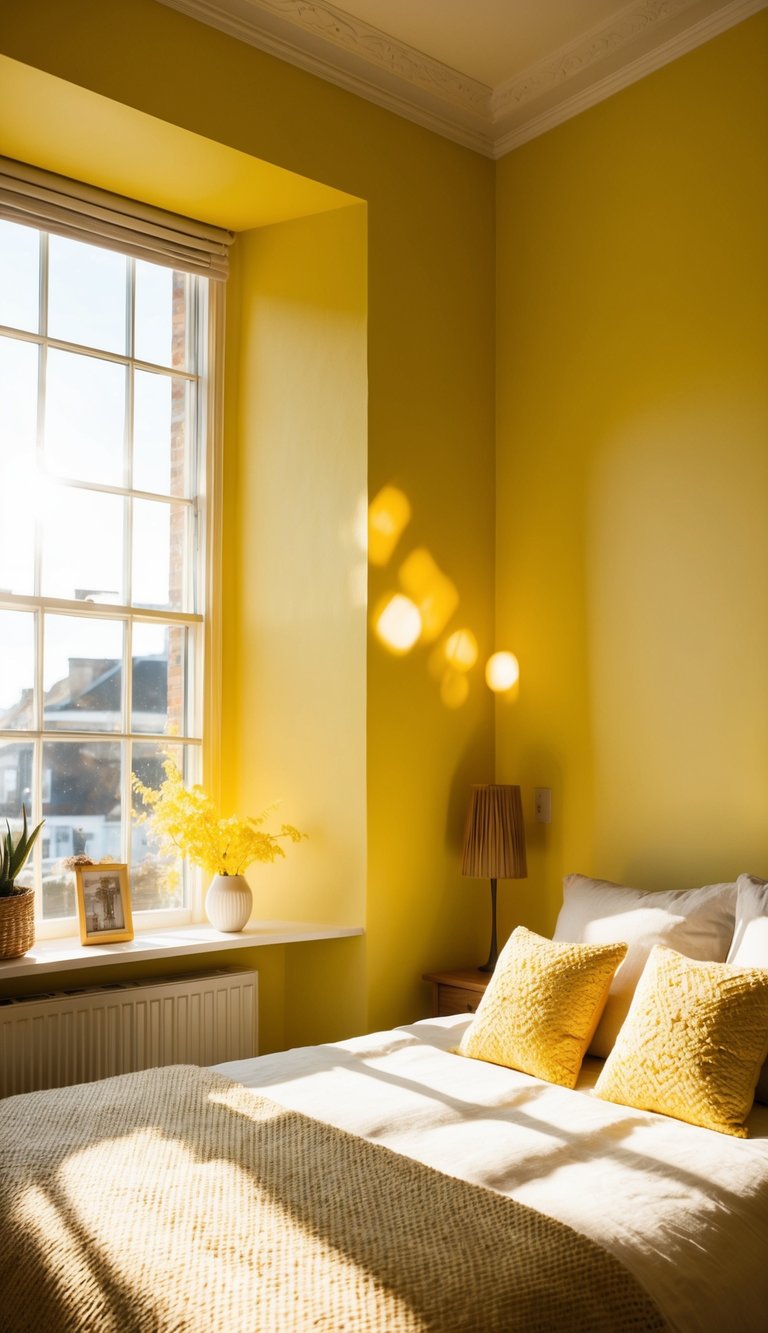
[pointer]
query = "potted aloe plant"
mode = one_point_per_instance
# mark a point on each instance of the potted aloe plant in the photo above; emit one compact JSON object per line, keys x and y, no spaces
{"x":17,"y":903}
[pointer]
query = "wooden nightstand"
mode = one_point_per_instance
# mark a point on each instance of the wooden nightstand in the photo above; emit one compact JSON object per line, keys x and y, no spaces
{"x":457,"y":992}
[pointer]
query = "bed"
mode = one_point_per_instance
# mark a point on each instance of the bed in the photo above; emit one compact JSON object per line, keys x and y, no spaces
{"x":684,"y":1209}
{"x":383,"y":1183}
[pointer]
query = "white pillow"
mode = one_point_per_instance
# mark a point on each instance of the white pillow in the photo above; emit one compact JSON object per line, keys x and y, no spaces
{"x":695,"y":922}
{"x":749,"y":947}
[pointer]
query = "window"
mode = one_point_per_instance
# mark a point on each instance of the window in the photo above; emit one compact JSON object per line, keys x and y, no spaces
{"x":103,"y":391}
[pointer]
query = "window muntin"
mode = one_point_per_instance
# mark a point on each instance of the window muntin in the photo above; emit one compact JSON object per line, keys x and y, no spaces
{"x":102,"y":572}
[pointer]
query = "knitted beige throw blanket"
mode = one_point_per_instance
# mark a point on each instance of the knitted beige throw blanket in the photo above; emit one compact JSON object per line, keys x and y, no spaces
{"x":175,"y":1200}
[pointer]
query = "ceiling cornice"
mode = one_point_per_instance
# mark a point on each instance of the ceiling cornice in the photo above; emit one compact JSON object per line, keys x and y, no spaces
{"x":323,"y":40}
{"x":644,"y":37}
{"x":339,"y":49}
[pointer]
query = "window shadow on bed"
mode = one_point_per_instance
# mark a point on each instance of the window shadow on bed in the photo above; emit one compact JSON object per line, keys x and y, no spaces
{"x":140,"y":1198}
{"x":516,"y":1109}
{"x":360,"y":1067}
{"x":508,"y":1108}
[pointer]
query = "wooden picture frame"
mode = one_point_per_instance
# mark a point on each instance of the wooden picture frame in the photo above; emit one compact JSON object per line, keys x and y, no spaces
{"x":103,"y":903}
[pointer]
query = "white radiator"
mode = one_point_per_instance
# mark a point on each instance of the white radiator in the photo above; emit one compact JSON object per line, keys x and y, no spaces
{"x":47,"y":1041}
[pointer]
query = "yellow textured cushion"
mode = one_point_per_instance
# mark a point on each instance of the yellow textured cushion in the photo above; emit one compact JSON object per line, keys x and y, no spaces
{"x":693,"y":1042}
{"x":542,"y":1006}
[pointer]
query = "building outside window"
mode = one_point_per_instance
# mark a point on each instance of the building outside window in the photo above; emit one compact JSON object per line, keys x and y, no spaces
{"x":103,"y":382}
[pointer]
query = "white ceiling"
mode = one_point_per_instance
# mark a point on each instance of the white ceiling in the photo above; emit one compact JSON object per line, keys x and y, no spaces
{"x":489,"y":74}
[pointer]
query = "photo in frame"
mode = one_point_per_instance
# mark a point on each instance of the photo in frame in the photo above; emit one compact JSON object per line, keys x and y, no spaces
{"x":103,"y":903}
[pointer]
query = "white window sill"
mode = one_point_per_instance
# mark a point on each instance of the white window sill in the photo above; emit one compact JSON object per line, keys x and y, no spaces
{"x":66,"y":955}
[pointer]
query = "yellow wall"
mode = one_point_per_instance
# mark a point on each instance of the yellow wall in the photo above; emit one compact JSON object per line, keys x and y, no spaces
{"x":632,"y":474}
{"x":430,"y":282}
{"x":630,"y":569}
{"x":294,"y":648}
{"x":78,"y":133}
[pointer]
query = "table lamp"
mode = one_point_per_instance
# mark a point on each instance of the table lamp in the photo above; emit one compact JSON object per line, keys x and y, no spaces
{"x":494,"y":844}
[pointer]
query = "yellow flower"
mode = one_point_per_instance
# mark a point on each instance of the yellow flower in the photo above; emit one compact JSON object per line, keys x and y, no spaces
{"x":186,"y":818}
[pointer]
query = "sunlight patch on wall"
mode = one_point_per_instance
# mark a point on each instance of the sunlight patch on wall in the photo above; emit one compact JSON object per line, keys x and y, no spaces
{"x":389,"y":514}
{"x":431,"y":590}
{"x":454,"y":689}
{"x":461,"y":650}
{"x":423,"y":610}
{"x":398,"y":623}
{"x":502,"y":672}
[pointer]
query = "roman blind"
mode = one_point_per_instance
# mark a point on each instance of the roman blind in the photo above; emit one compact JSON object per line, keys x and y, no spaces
{"x":82,"y":212}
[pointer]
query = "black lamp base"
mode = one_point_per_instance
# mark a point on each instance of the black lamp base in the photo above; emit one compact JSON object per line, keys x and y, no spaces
{"x":494,"y":953}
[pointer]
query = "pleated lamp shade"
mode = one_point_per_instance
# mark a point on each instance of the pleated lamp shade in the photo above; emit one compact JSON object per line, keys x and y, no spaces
{"x":494,"y":844}
{"x":494,"y":839}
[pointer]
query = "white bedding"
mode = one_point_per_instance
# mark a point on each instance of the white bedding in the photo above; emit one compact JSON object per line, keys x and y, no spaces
{"x":685,"y":1209}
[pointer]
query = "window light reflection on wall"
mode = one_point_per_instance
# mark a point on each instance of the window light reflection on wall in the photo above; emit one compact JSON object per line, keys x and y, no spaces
{"x":502,"y":671}
{"x":389,"y":513}
{"x":454,"y":689}
{"x":398,"y":623}
{"x":431,"y":590}
{"x":422,"y":611}
{"x":461,"y":650}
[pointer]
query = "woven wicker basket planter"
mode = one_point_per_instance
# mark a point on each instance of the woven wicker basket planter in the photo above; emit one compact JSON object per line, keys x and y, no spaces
{"x":17,"y":924}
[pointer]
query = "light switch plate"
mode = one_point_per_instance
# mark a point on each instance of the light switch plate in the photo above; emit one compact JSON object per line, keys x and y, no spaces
{"x":543,"y":804}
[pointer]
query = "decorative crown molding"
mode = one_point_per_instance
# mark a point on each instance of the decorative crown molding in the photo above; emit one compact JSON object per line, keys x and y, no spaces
{"x":400,"y":79}
{"x":577,"y":56}
{"x":326,"y":41}
{"x":572,"y":103}
{"x":360,"y":39}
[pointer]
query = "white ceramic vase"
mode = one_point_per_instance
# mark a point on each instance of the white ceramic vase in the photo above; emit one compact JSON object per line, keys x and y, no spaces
{"x":228,"y":903}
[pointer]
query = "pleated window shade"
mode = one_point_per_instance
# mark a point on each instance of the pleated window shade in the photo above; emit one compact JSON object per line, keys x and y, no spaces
{"x":494,"y":840}
{"x":84,"y":213}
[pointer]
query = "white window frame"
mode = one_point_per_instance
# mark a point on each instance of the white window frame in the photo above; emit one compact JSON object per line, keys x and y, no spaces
{"x":206,"y":503}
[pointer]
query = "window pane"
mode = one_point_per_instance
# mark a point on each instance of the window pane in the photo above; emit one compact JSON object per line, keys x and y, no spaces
{"x":161,"y":315}
{"x":18,"y":476}
{"x":16,"y":784}
{"x":85,"y":418}
{"x":17,"y":670}
{"x":86,"y":295}
{"x":83,"y":546}
{"x":18,"y":393}
{"x":58,"y":879}
{"x":160,"y":416}
{"x":156,"y":881}
{"x":161,"y":657}
{"x":19,"y":276}
{"x":17,"y":544}
{"x":81,"y":804}
{"x":82,"y":674}
{"x":159,"y":566}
